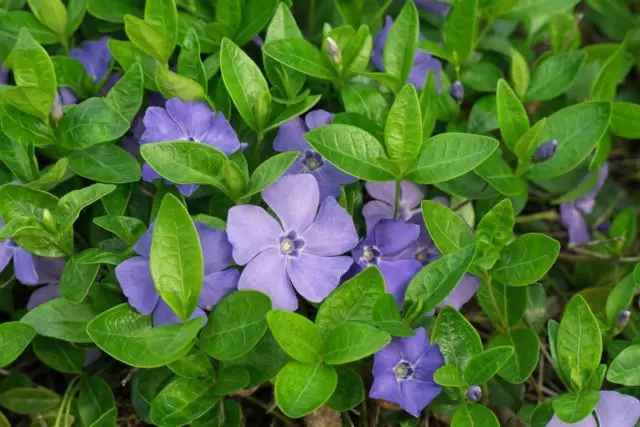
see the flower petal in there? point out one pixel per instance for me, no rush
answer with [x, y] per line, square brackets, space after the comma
[413, 347]
[216, 286]
[143, 245]
[315, 119]
[290, 136]
[463, 292]
[617, 409]
[422, 65]
[411, 194]
[149, 174]
[134, 276]
[379, 41]
[387, 358]
[332, 233]
[24, 267]
[216, 248]
[571, 218]
[314, 277]
[220, 135]
[392, 236]
[587, 422]
[159, 126]
[397, 274]
[417, 395]
[193, 117]
[294, 199]
[267, 273]
[6, 253]
[386, 387]
[42, 295]
[187, 190]
[375, 211]
[49, 270]
[251, 230]
[164, 315]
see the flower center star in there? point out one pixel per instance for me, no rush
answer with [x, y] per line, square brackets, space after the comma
[312, 160]
[291, 244]
[403, 370]
[370, 255]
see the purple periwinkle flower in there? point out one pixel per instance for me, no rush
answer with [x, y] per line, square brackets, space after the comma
[381, 248]
[4, 75]
[622, 319]
[474, 393]
[290, 137]
[385, 196]
[546, 150]
[614, 410]
[457, 91]
[32, 270]
[134, 276]
[403, 372]
[422, 64]
[334, 51]
[301, 250]
[572, 213]
[186, 121]
[434, 6]
[95, 57]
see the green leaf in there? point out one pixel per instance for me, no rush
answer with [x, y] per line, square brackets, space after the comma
[129, 337]
[623, 227]
[493, 233]
[525, 357]
[483, 366]
[536, 8]
[149, 38]
[352, 301]
[177, 265]
[402, 41]
[246, 85]
[196, 364]
[625, 369]
[449, 376]
[96, 403]
[625, 120]
[504, 305]
[449, 231]
[350, 342]
[403, 128]
[26, 129]
[126, 228]
[270, 171]
[526, 260]
[19, 158]
[296, 334]
[365, 99]
[294, 110]
[51, 13]
[349, 392]
[497, 172]
[70, 205]
[89, 123]
[301, 389]
[434, 282]
[182, 401]
[300, 55]
[127, 55]
[387, 317]
[29, 400]
[255, 16]
[12, 22]
[579, 342]
[554, 75]
[460, 29]
[604, 86]
[173, 85]
[351, 150]
[61, 319]
[482, 77]
[512, 116]
[231, 379]
[474, 416]
[483, 117]
[14, 339]
[574, 407]
[105, 163]
[52, 175]
[76, 10]
[620, 297]
[429, 106]
[77, 279]
[235, 325]
[458, 340]
[163, 16]
[185, 162]
[229, 12]
[59, 355]
[115, 10]
[227, 414]
[450, 155]
[125, 96]
[519, 73]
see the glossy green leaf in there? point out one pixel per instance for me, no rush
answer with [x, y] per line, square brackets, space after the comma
[460, 29]
[196, 364]
[229, 414]
[61, 319]
[604, 86]
[182, 401]
[255, 17]
[77, 279]
[526, 260]
[350, 342]
[91, 122]
[365, 99]
[620, 297]
[300, 55]
[483, 366]
[386, 316]
[270, 171]
[512, 116]
[535, 8]
[625, 369]
[520, 74]
[554, 75]
[125, 96]
[458, 340]
[301, 389]
[522, 363]
[105, 163]
[449, 376]
[474, 416]
[449, 231]
[493, 233]
[504, 305]
[403, 128]
[29, 400]
[429, 106]
[296, 334]
[14, 339]
[483, 117]
[574, 407]
[402, 41]
[625, 120]
[96, 403]
[497, 172]
[51, 13]
[349, 392]
[59, 355]
[71, 204]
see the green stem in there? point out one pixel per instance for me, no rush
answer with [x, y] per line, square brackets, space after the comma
[396, 205]
[540, 216]
[259, 148]
[379, 13]
[311, 17]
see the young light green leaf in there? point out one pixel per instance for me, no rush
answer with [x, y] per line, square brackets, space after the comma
[177, 265]
[519, 73]
[246, 85]
[474, 415]
[14, 339]
[130, 337]
[483, 366]
[493, 233]
[625, 120]
[604, 86]
[429, 106]
[554, 75]
[458, 340]
[127, 55]
[449, 376]
[229, 12]
[620, 297]
[449, 155]
[236, 325]
[294, 110]
[403, 128]
[61, 319]
[521, 364]
[460, 29]
[625, 369]
[386, 316]
[296, 334]
[125, 96]
[574, 407]
[149, 38]
[448, 229]
[402, 41]
[526, 260]
[579, 342]
[51, 13]
[350, 342]
[70, 205]
[174, 85]
[301, 389]
[182, 401]
[352, 150]
[512, 116]
[270, 171]
[19, 158]
[300, 55]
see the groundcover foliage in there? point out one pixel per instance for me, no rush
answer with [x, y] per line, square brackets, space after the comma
[320, 213]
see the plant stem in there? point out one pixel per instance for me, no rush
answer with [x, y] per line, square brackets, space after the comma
[398, 193]
[540, 216]
[311, 18]
[258, 149]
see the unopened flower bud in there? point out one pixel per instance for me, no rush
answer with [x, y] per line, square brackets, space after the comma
[258, 41]
[334, 50]
[623, 319]
[56, 108]
[48, 220]
[474, 393]
[546, 150]
[457, 91]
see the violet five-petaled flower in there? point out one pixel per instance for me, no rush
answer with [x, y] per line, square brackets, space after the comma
[434, 6]
[546, 150]
[290, 137]
[300, 250]
[33, 270]
[422, 249]
[134, 276]
[422, 63]
[186, 121]
[613, 410]
[572, 213]
[403, 372]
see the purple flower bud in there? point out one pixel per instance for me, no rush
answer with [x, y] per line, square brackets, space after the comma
[4, 75]
[546, 150]
[334, 50]
[56, 108]
[622, 319]
[257, 40]
[474, 393]
[457, 91]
